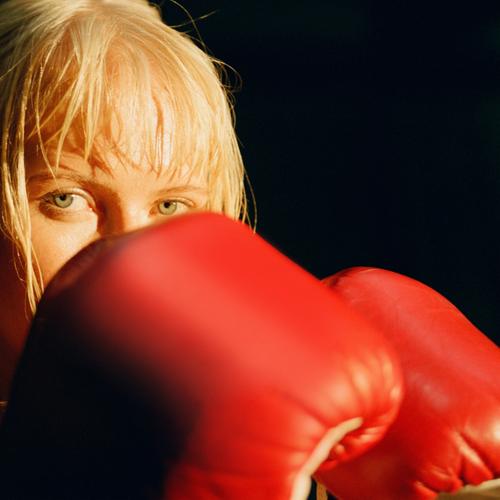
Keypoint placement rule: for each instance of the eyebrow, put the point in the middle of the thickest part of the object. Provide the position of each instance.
(47, 176)
(74, 176)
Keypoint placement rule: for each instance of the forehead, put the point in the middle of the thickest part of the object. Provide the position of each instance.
(122, 139)
(126, 180)
(127, 135)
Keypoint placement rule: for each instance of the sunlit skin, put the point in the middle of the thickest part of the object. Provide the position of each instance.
(85, 203)
(86, 200)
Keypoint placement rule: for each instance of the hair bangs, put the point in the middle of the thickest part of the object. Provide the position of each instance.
(152, 104)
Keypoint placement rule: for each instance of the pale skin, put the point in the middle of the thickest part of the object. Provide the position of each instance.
(86, 200)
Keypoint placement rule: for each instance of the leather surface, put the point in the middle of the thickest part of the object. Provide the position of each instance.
(447, 433)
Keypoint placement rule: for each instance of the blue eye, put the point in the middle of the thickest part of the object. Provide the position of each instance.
(168, 207)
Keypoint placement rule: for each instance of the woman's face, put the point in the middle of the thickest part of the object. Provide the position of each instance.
(86, 201)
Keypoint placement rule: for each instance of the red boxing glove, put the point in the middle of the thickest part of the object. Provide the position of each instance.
(447, 433)
(191, 360)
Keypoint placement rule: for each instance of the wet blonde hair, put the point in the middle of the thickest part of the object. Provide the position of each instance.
(71, 65)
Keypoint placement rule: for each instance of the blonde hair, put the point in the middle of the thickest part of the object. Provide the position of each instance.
(64, 65)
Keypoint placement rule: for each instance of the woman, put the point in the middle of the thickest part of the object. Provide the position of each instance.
(111, 121)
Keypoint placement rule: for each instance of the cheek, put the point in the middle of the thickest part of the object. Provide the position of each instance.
(54, 243)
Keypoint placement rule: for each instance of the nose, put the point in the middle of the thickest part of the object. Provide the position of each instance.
(123, 220)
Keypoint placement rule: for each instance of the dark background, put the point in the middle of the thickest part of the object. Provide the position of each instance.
(371, 134)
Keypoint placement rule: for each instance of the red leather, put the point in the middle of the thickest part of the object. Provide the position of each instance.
(240, 360)
(447, 433)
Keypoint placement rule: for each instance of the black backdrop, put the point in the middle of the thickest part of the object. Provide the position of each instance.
(371, 134)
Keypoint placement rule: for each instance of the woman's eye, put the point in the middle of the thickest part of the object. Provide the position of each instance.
(68, 201)
(171, 207)
(63, 200)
